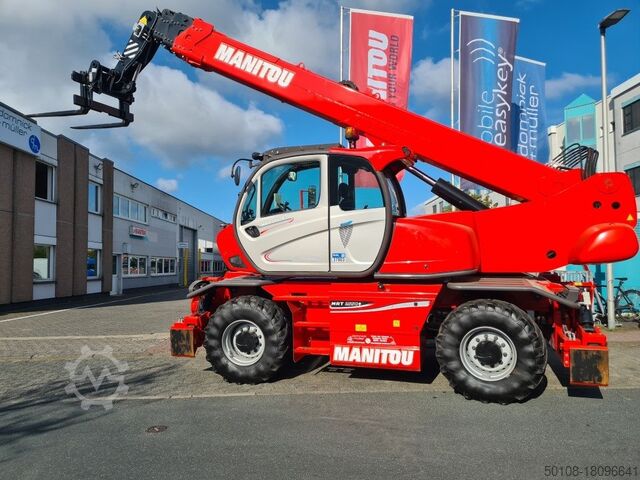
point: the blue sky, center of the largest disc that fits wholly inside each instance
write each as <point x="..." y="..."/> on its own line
<point x="185" y="146"/>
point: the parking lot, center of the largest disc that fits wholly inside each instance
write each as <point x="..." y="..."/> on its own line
<point x="369" y="423"/>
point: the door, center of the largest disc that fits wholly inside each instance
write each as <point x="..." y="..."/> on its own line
<point x="357" y="215"/>
<point x="283" y="220"/>
<point x="116" y="276"/>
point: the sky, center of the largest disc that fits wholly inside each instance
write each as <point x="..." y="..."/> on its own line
<point x="191" y="125"/>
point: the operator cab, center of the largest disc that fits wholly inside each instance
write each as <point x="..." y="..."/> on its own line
<point x="315" y="212"/>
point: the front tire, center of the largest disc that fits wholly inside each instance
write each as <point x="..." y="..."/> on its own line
<point x="491" y="350"/>
<point x="247" y="339"/>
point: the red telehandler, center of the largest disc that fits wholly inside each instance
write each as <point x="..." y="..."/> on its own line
<point x="323" y="260"/>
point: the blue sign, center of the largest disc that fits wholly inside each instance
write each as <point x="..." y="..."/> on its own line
<point x="529" y="110"/>
<point x="34" y="144"/>
<point x="487" y="55"/>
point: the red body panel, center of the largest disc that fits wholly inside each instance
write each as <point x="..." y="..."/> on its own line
<point x="431" y="245"/>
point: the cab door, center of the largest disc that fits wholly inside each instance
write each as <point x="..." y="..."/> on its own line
<point x="357" y="215"/>
<point x="283" y="222"/>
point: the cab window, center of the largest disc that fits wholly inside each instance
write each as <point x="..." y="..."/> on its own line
<point x="249" y="205"/>
<point x="354" y="186"/>
<point x="290" y="188"/>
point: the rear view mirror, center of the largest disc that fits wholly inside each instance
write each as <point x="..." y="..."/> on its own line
<point x="235" y="174"/>
<point x="292" y="176"/>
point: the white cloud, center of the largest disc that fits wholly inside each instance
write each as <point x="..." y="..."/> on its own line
<point x="569" y="83"/>
<point x="431" y="87"/>
<point x="182" y="121"/>
<point x="169" y="185"/>
<point x="179" y="120"/>
<point x="298" y="31"/>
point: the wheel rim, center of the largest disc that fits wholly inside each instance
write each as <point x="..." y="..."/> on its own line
<point x="243" y="342"/>
<point x="488" y="354"/>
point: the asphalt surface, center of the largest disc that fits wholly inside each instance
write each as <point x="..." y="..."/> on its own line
<point x="313" y="422"/>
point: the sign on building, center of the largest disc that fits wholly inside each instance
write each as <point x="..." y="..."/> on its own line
<point x="19" y="132"/>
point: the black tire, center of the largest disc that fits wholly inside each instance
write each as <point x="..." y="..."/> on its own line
<point x="274" y="327"/>
<point x="525" y="371"/>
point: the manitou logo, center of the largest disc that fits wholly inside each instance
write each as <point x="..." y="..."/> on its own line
<point x="378" y="356"/>
<point x="381" y="59"/>
<point x="254" y="65"/>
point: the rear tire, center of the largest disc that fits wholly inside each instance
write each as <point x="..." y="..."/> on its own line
<point x="247" y="339"/>
<point x="491" y="350"/>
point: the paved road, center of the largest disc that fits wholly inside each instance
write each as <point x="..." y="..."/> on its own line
<point x="408" y="435"/>
<point x="313" y="422"/>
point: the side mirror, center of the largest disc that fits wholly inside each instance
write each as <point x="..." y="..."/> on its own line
<point x="235" y="174"/>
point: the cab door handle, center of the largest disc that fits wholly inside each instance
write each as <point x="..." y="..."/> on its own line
<point x="252" y="231"/>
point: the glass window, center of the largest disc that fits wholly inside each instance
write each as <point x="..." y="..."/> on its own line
<point x="116" y="205"/>
<point x="631" y="117"/>
<point x="42" y="262"/>
<point x="588" y="127"/>
<point x="634" y="175"/>
<point x="93" y="263"/>
<point x="354" y="185"/>
<point x="134" y="266"/>
<point x="44" y="181"/>
<point x="249" y="205"/>
<point x="124" y="207"/>
<point x="162" y="266"/>
<point x="393" y="192"/>
<point x="94" y="197"/>
<point x="291" y="187"/>
<point x="573" y="130"/>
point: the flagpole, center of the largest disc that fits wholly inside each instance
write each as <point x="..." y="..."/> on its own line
<point x="453" y="98"/>
<point x="340" y="133"/>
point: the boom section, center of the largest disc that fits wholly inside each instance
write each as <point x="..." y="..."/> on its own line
<point x="494" y="167"/>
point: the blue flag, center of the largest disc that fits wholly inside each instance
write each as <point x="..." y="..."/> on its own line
<point x="487" y="56"/>
<point x="529" y="110"/>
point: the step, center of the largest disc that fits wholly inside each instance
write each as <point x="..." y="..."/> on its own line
<point x="324" y="325"/>
<point x="312" y="350"/>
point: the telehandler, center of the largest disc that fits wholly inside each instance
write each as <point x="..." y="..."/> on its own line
<point x="322" y="258"/>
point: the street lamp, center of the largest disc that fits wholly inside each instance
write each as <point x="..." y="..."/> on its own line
<point x="609" y="21"/>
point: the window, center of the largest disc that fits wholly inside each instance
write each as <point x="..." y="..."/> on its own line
<point x="249" y="206"/>
<point x="290" y="188"/>
<point x="218" y="266"/>
<point x="581" y="129"/>
<point x="205" y="245"/>
<point x="394" y="190"/>
<point x="206" y="266"/>
<point x="354" y="185"/>
<point x="631" y="117"/>
<point x="134" y="266"/>
<point x="93" y="263"/>
<point x="94" y="197"/>
<point x="435" y="208"/>
<point x="161" y="214"/>
<point x="573" y="130"/>
<point x="130" y="209"/>
<point x="44" y="181"/>
<point x="162" y="266"/>
<point x="634" y="175"/>
<point x="42" y="262"/>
